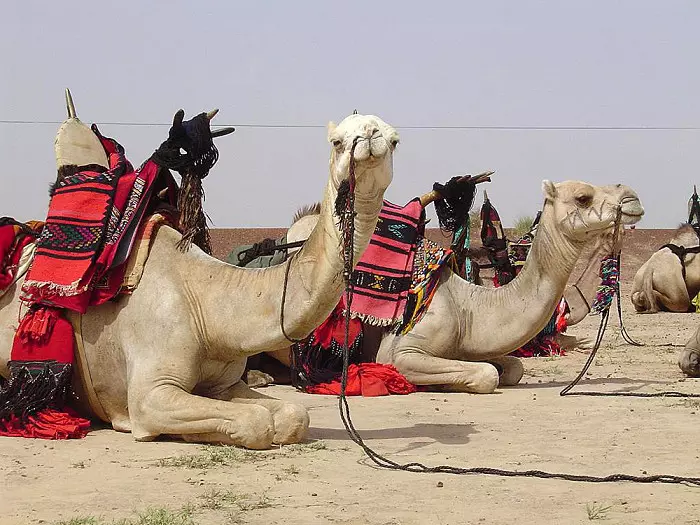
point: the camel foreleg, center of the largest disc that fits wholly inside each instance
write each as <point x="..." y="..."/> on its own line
<point x="448" y="374"/>
<point x="168" y="409"/>
<point x="291" y="421"/>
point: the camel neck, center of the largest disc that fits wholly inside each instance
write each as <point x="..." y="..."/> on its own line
<point x="240" y="307"/>
<point x="523" y="307"/>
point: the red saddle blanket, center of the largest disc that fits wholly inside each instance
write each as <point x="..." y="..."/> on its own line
<point x="89" y="231"/>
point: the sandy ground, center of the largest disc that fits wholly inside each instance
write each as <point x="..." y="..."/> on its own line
<point x="328" y="479"/>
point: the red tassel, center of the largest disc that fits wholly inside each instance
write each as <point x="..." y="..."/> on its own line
<point x="47" y="424"/>
<point x="37" y="325"/>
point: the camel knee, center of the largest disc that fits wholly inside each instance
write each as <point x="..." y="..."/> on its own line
<point x="689" y="362"/>
<point x="291" y="424"/>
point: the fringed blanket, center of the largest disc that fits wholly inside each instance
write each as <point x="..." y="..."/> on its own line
<point x="89" y="230"/>
<point x="319" y="358"/>
<point x="382" y="277"/>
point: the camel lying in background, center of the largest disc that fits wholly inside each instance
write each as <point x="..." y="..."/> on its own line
<point x="468" y="328"/>
<point x="668" y="281"/>
<point x="169" y="358"/>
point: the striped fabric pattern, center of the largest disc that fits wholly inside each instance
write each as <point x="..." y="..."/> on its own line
<point x="383" y="275"/>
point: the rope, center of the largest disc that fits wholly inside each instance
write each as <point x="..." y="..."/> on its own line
<point x="284" y="300"/>
<point x="348" y="230"/>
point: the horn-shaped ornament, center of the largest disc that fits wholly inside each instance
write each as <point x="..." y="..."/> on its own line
<point x="75" y="143"/>
<point x="219" y="132"/>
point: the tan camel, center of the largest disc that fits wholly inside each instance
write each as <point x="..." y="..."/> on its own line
<point x="660" y="284"/>
<point x="468" y="328"/>
<point x="169" y="358"/>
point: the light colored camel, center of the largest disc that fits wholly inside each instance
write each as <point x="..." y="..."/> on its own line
<point x="659" y="283"/>
<point x="467" y="325"/>
<point x="169" y="358"/>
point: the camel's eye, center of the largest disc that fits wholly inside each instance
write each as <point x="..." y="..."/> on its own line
<point x="584" y="200"/>
<point x="337" y="143"/>
<point x="394" y="142"/>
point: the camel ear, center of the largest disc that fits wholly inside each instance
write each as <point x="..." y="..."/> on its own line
<point x="548" y="189"/>
<point x="331" y="130"/>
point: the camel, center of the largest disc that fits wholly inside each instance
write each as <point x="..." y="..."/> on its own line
<point x="461" y="342"/>
<point x="168" y="359"/>
<point x="668" y="281"/>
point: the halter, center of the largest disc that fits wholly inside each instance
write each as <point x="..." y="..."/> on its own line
<point x="681" y="252"/>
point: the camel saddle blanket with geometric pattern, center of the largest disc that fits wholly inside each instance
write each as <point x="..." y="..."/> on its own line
<point x="382" y="276"/>
<point x="89" y="230"/>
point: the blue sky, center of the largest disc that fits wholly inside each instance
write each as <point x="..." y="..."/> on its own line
<point x="618" y="63"/>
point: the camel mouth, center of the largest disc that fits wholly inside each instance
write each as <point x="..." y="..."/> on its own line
<point x="631" y="210"/>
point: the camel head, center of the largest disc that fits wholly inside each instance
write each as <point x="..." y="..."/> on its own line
<point x="375" y="143"/>
<point x="583" y="210"/>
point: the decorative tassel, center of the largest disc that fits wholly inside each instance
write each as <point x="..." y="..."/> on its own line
<point x="193" y="220"/>
<point x="610" y="275"/>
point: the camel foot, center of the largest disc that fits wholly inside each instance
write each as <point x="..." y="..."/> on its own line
<point x="291" y="424"/>
<point x="290" y="421"/>
<point x="121" y="424"/>
<point x="689" y="362"/>
<point x="571" y="342"/>
<point x="169" y="410"/>
<point x="258" y="379"/>
<point x="510" y="370"/>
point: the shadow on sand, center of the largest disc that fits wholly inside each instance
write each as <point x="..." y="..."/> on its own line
<point x="633" y="385"/>
<point x="447" y="434"/>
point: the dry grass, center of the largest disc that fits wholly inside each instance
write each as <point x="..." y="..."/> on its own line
<point x="597" y="511"/>
<point x="150" y="516"/>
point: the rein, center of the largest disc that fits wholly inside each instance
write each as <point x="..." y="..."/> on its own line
<point x="347" y="227"/>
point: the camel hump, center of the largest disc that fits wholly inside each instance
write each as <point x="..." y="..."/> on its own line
<point x="76" y="144"/>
